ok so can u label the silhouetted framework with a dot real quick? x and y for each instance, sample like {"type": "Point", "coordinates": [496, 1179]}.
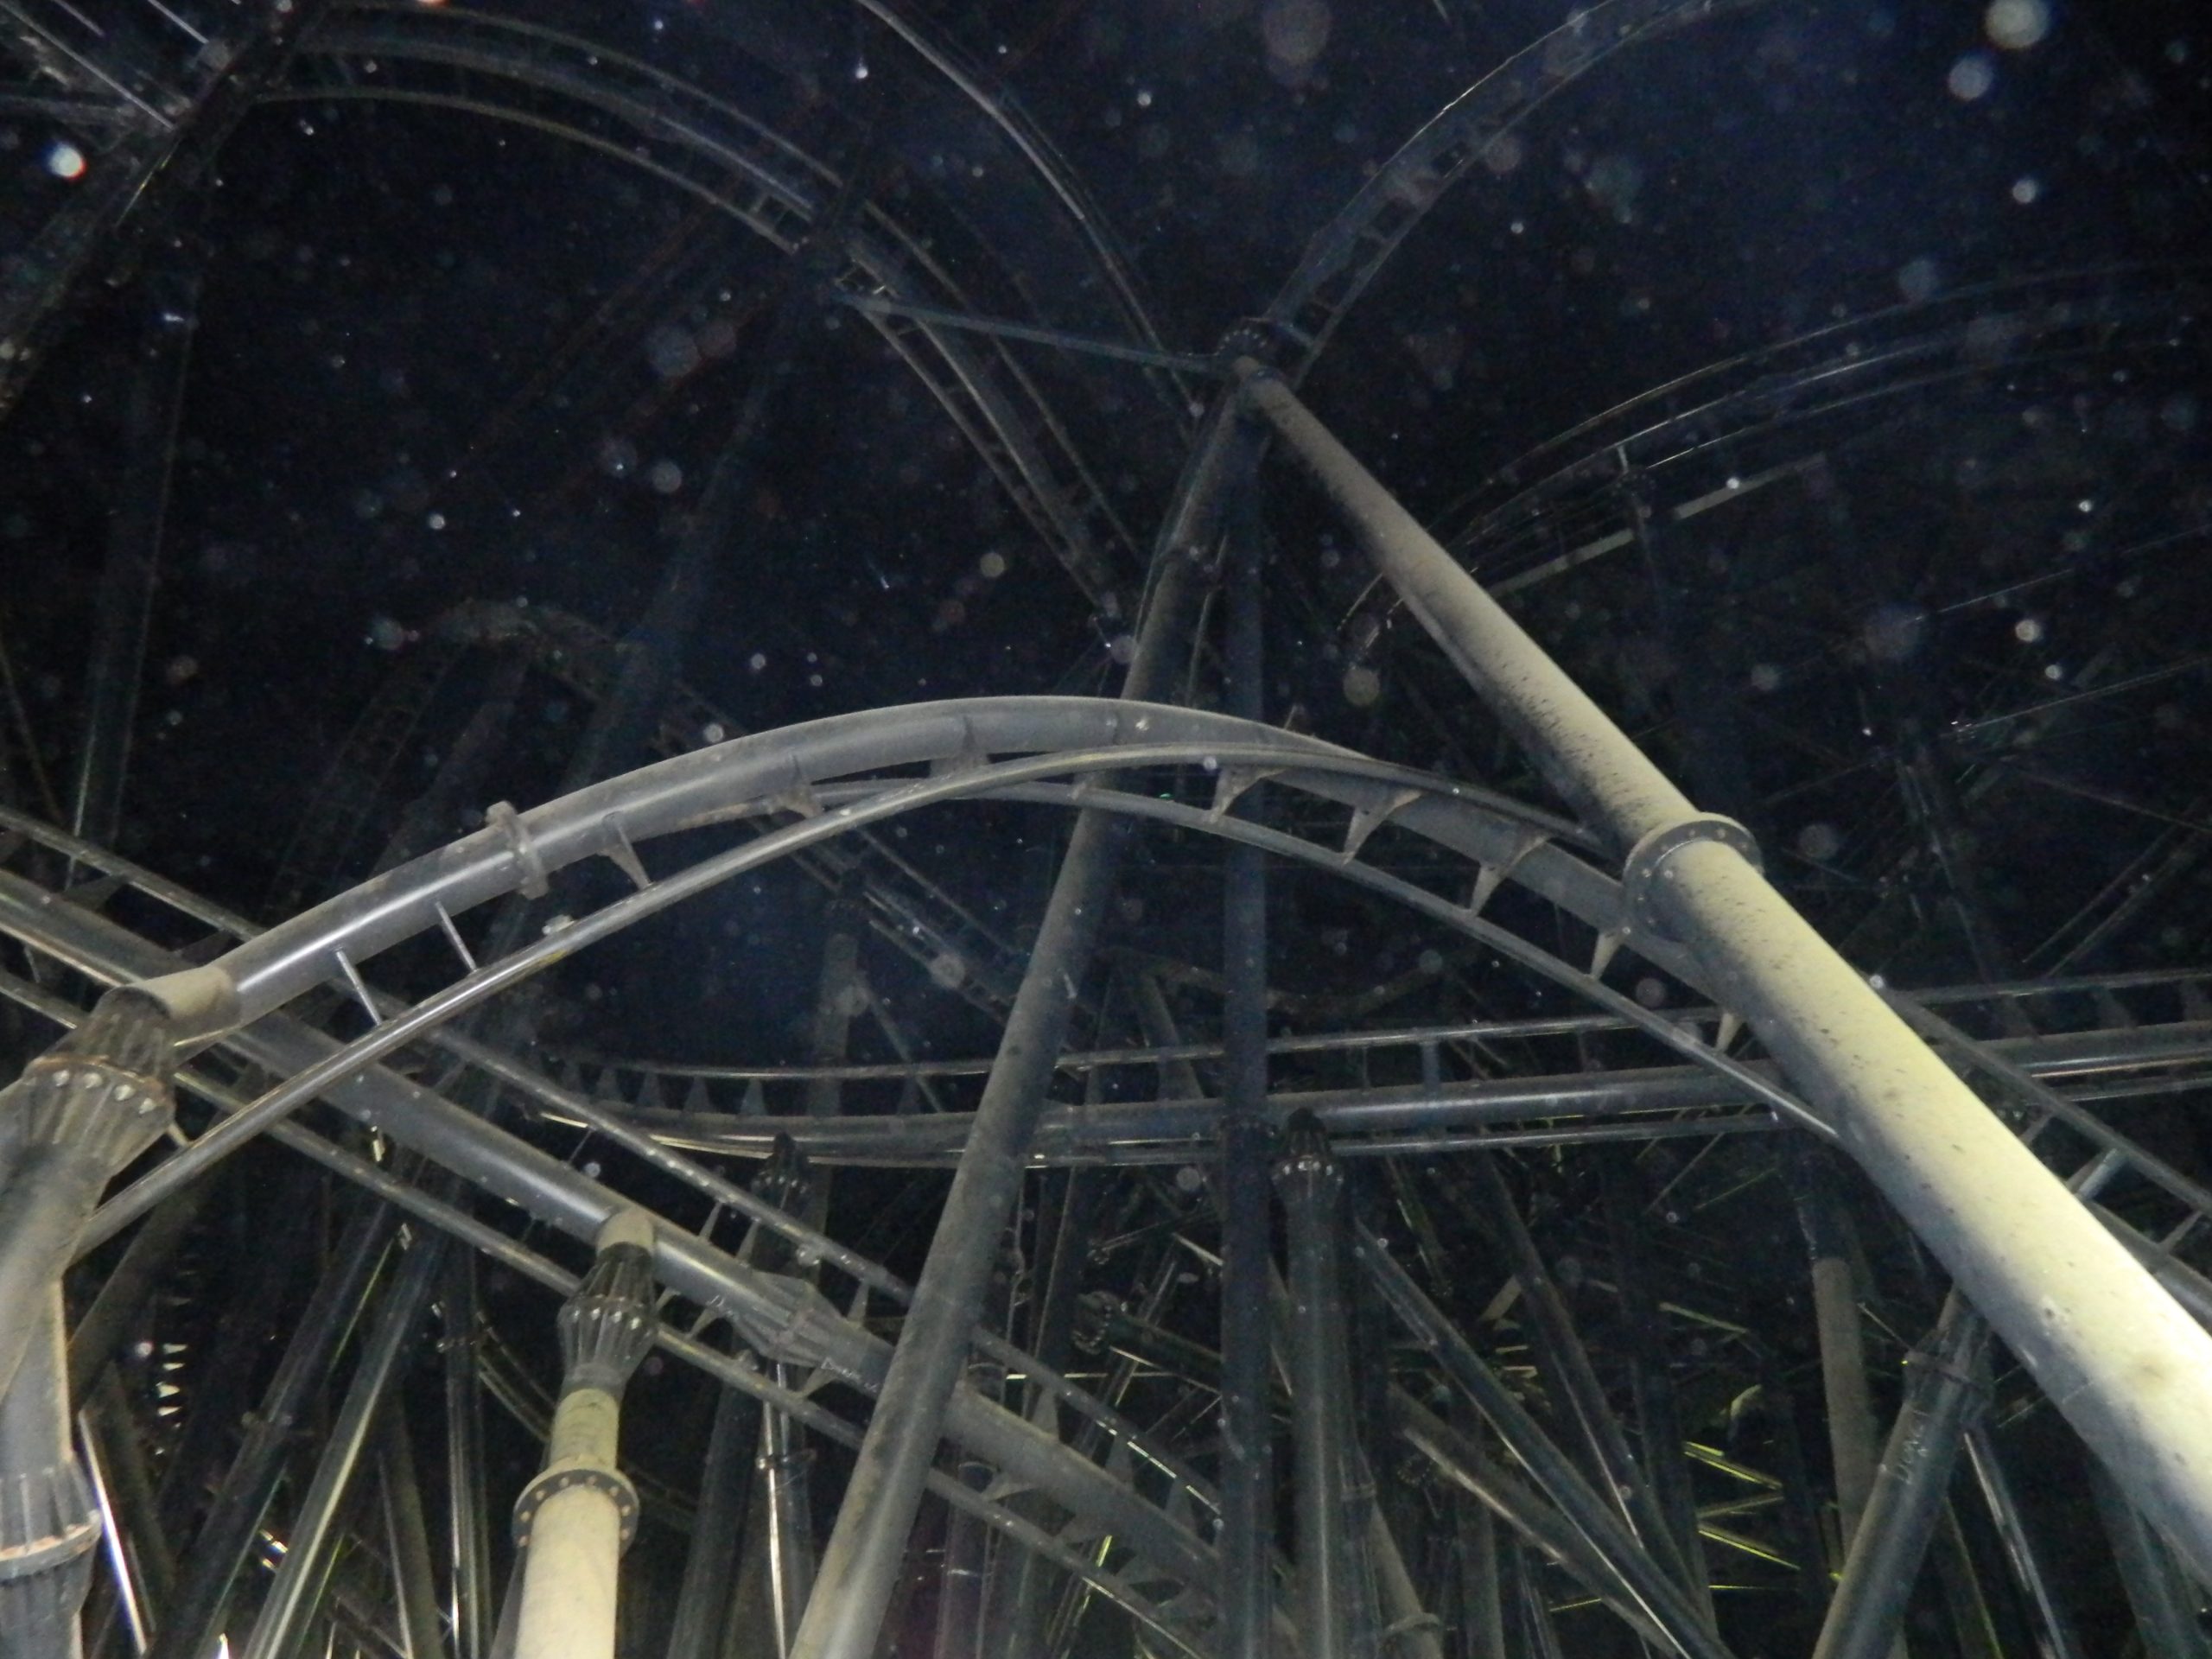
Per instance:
{"type": "Point", "coordinates": [354, 1302]}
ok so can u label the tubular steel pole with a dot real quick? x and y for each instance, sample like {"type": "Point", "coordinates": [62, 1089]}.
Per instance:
{"type": "Point", "coordinates": [710, 1565]}
{"type": "Point", "coordinates": [281, 1627]}
{"type": "Point", "coordinates": [465, 1498]}
{"type": "Point", "coordinates": [1311, 1187]}
{"type": "Point", "coordinates": [2126, 1365]}
{"type": "Point", "coordinates": [1944, 1390]}
{"type": "Point", "coordinates": [1247, 1266]}
{"type": "Point", "coordinates": [2165, 1608]}
{"type": "Point", "coordinates": [413, 1577]}
{"type": "Point", "coordinates": [1850, 1412]}
{"type": "Point", "coordinates": [1602, 1535]}
{"type": "Point", "coordinates": [860, 1566]}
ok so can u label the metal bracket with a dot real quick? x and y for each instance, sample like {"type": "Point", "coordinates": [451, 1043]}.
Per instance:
{"type": "Point", "coordinates": [1646, 863]}
{"type": "Point", "coordinates": [501, 815]}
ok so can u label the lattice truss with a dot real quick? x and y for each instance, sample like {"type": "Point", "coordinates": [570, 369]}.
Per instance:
{"type": "Point", "coordinates": [1326, 1161]}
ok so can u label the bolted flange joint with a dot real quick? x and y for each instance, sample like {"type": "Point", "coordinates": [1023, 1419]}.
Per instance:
{"type": "Point", "coordinates": [1645, 870]}
{"type": "Point", "coordinates": [561, 1478]}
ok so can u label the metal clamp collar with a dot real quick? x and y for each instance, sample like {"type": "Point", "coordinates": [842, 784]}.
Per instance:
{"type": "Point", "coordinates": [551, 1482]}
{"type": "Point", "coordinates": [1646, 863]}
{"type": "Point", "coordinates": [502, 817]}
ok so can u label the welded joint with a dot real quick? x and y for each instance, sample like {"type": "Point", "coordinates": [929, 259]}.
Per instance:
{"type": "Point", "coordinates": [1644, 871]}
{"type": "Point", "coordinates": [528, 859]}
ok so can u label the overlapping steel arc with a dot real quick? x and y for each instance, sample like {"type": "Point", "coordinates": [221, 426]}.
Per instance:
{"type": "Point", "coordinates": [770, 1310]}
{"type": "Point", "coordinates": [480, 64]}
{"type": "Point", "coordinates": [1037, 149]}
{"type": "Point", "coordinates": [1345, 258]}
{"type": "Point", "coordinates": [903, 906]}
{"type": "Point", "coordinates": [1840, 370]}
{"type": "Point", "coordinates": [780, 771]}
{"type": "Point", "coordinates": [515, 855]}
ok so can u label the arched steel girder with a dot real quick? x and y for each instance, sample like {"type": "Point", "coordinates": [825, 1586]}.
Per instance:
{"type": "Point", "coordinates": [1841, 369]}
{"type": "Point", "coordinates": [779, 771]}
{"type": "Point", "coordinates": [1160, 1554]}
{"type": "Point", "coordinates": [903, 906]}
{"type": "Point", "coordinates": [1350, 251]}
{"type": "Point", "coordinates": [785, 1320]}
{"type": "Point", "coordinates": [525, 1176]}
{"type": "Point", "coordinates": [1038, 151]}
{"type": "Point", "coordinates": [716, 154]}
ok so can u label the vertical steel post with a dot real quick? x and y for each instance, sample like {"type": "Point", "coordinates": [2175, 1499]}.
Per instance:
{"type": "Point", "coordinates": [702, 1601]}
{"type": "Point", "coordinates": [117, 659]}
{"type": "Point", "coordinates": [49, 1520]}
{"type": "Point", "coordinates": [573, 1521]}
{"type": "Point", "coordinates": [861, 1564]}
{"type": "Point", "coordinates": [2165, 1607]}
{"type": "Point", "coordinates": [233, 1520]}
{"type": "Point", "coordinates": [1481, 1600]}
{"type": "Point", "coordinates": [1849, 1404]}
{"type": "Point", "coordinates": [282, 1628]}
{"type": "Point", "coordinates": [1247, 1148]}
{"type": "Point", "coordinates": [408, 1538]}
{"type": "Point", "coordinates": [2126, 1365]}
{"type": "Point", "coordinates": [466, 1500]}
{"type": "Point", "coordinates": [1312, 1186]}
{"type": "Point", "coordinates": [1943, 1388]}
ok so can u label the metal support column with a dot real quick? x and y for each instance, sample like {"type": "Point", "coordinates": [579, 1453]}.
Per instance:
{"type": "Point", "coordinates": [1313, 1185]}
{"type": "Point", "coordinates": [573, 1522]}
{"type": "Point", "coordinates": [408, 1539]}
{"type": "Point", "coordinates": [1943, 1388]}
{"type": "Point", "coordinates": [861, 1564]}
{"type": "Point", "coordinates": [1247, 1148]}
{"type": "Point", "coordinates": [1849, 1404]}
{"type": "Point", "coordinates": [281, 1629]}
{"type": "Point", "coordinates": [116, 662]}
{"type": "Point", "coordinates": [2126, 1365]}
{"type": "Point", "coordinates": [191, 1624]}
{"type": "Point", "coordinates": [466, 1500]}
{"type": "Point", "coordinates": [702, 1601]}
{"type": "Point", "coordinates": [49, 1522]}
{"type": "Point", "coordinates": [79, 1113]}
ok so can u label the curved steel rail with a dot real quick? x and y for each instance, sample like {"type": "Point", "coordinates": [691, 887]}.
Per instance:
{"type": "Point", "coordinates": [903, 906]}
{"type": "Point", "coordinates": [1349, 253]}
{"type": "Point", "coordinates": [717, 154]}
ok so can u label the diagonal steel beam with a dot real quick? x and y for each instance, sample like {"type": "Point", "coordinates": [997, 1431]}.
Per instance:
{"type": "Point", "coordinates": [2124, 1363]}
